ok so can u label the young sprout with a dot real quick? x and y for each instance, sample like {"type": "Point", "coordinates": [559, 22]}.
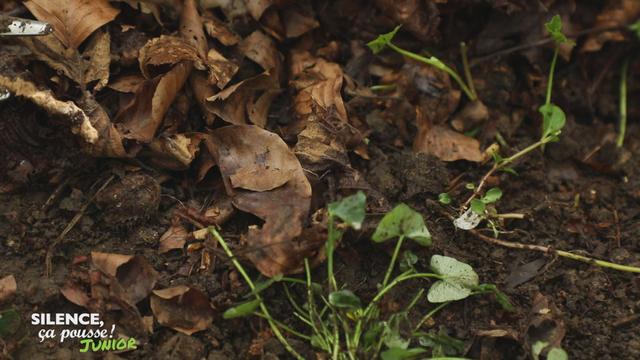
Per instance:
{"type": "Point", "coordinates": [553, 118]}
{"type": "Point", "coordinates": [479, 206]}
{"type": "Point", "coordinates": [623, 102]}
{"type": "Point", "coordinates": [384, 40]}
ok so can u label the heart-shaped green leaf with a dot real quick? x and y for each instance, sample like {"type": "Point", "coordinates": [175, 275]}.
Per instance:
{"type": "Point", "coordinates": [351, 209]}
{"type": "Point", "coordinates": [553, 120]}
{"type": "Point", "coordinates": [345, 299]}
{"type": "Point", "coordinates": [492, 195]}
{"type": "Point", "coordinates": [457, 283]}
{"type": "Point", "coordinates": [402, 221]}
{"type": "Point", "coordinates": [478, 206]}
{"type": "Point", "coordinates": [379, 43]}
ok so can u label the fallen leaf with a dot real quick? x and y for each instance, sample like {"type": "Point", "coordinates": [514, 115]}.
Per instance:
{"type": "Point", "coordinates": [218, 30]}
{"type": "Point", "coordinates": [258, 110]}
{"type": "Point", "coordinates": [109, 141]}
{"type": "Point", "coordinates": [470, 116]}
{"type": "Point", "coordinates": [257, 7]}
{"type": "Point", "coordinates": [616, 13]}
{"type": "Point", "coordinates": [298, 19]}
{"type": "Point", "coordinates": [444, 143]}
{"type": "Point", "coordinates": [132, 273]}
{"type": "Point", "coordinates": [51, 51]}
{"type": "Point", "coordinates": [126, 83]}
{"type": "Point", "coordinates": [73, 20]}
{"type": "Point", "coordinates": [260, 49]}
{"type": "Point", "coordinates": [320, 111]}
{"type": "Point", "coordinates": [167, 50]}
{"type": "Point", "coordinates": [75, 294]}
{"type": "Point", "coordinates": [546, 323]}
{"type": "Point", "coordinates": [142, 117]}
{"type": "Point", "coordinates": [221, 70]}
{"type": "Point", "coordinates": [250, 149]}
{"type": "Point", "coordinates": [174, 238]}
{"type": "Point", "coordinates": [182, 308]}
{"type": "Point", "coordinates": [99, 52]}
{"type": "Point", "coordinates": [174, 152]}
{"type": "Point", "coordinates": [8, 287]}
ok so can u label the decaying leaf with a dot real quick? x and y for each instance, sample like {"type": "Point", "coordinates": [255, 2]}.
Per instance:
{"type": "Point", "coordinates": [616, 13]}
{"type": "Point", "coordinates": [60, 58]}
{"type": "Point", "coordinates": [221, 70]}
{"type": "Point", "coordinates": [126, 83]}
{"type": "Point", "coordinates": [75, 294]}
{"type": "Point", "coordinates": [174, 152]}
{"type": "Point", "coordinates": [444, 143]}
{"type": "Point", "coordinates": [142, 117]}
{"type": "Point", "coordinates": [174, 238]}
{"type": "Point", "coordinates": [167, 50]}
{"type": "Point", "coordinates": [133, 274]}
{"type": "Point", "coordinates": [182, 308]}
{"type": "Point", "coordinates": [8, 287]}
{"type": "Point", "coordinates": [99, 52]}
{"type": "Point", "coordinates": [109, 141]}
{"type": "Point", "coordinates": [73, 20]}
{"type": "Point", "coordinates": [218, 30]}
{"type": "Point", "coordinates": [260, 49]}
{"type": "Point", "coordinates": [546, 323]}
{"type": "Point", "coordinates": [298, 19]}
{"type": "Point", "coordinates": [320, 110]}
{"type": "Point", "coordinates": [284, 209]}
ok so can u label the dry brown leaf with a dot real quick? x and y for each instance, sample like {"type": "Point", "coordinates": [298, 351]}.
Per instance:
{"type": "Point", "coordinates": [73, 20]}
{"type": "Point", "coordinates": [257, 7]}
{"type": "Point", "coordinates": [218, 30]}
{"type": "Point", "coordinates": [99, 52]}
{"type": "Point", "coordinates": [319, 83]}
{"type": "Point", "coordinates": [8, 287]}
{"type": "Point", "coordinates": [470, 116]}
{"type": "Point", "coordinates": [320, 111]}
{"type": "Point", "coordinates": [142, 117]}
{"type": "Point", "coordinates": [221, 70]}
{"type": "Point", "coordinates": [261, 49]}
{"type": "Point", "coordinates": [109, 141]}
{"type": "Point", "coordinates": [250, 149]}
{"type": "Point", "coordinates": [258, 110]}
{"type": "Point", "coordinates": [175, 152]}
{"type": "Point", "coordinates": [298, 20]}
{"type": "Point", "coordinates": [444, 143]}
{"type": "Point", "coordinates": [174, 238]}
{"type": "Point", "coordinates": [61, 59]}
{"type": "Point", "coordinates": [134, 275]}
{"type": "Point", "coordinates": [126, 83]}
{"type": "Point", "coordinates": [616, 13]}
{"type": "Point", "coordinates": [182, 308]}
{"type": "Point", "coordinates": [167, 50]}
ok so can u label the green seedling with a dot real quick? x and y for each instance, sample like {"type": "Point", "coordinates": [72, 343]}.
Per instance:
{"type": "Point", "coordinates": [344, 326]}
{"type": "Point", "coordinates": [622, 127]}
{"type": "Point", "coordinates": [554, 353]}
{"type": "Point", "coordinates": [635, 27]}
{"type": "Point", "coordinates": [444, 198]}
{"type": "Point", "coordinates": [492, 195]}
{"type": "Point", "coordinates": [553, 121]}
{"type": "Point", "coordinates": [385, 40]}
{"type": "Point", "coordinates": [553, 118]}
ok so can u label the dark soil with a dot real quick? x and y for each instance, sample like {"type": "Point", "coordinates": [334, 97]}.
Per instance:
{"type": "Point", "coordinates": [580, 195]}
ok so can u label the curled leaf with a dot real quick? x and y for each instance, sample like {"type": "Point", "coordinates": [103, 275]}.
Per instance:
{"type": "Point", "coordinates": [182, 308]}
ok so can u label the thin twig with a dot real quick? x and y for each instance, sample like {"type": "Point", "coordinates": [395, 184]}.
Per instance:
{"type": "Point", "coordinates": [70, 225]}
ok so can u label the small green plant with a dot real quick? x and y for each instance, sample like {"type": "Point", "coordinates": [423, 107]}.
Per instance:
{"type": "Point", "coordinates": [554, 353]}
{"type": "Point", "coordinates": [635, 27]}
{"type": "Point", "coordinates": [622, 127]}
{"type": "Point", "coordinates": [553, 121]}
{"type": "Point", "coordinates": [344, 326]}
{"type": "Point", "coordinates": [384, 40]}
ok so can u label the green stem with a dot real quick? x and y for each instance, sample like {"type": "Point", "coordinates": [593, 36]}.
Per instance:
{"type": "Point", "coordinates": [467, 69]}
{"type": "Point", "coordinates": [285, 327]}
{"type": "Point", "coordinates": [407, 275]}
{"type": "Point", "coordinates": [439, 65]}
{"type": "Point", "coordinates": [623, 103]}
{"type": "Point", "coordinates": [392, 263]}
{"type": "Point", "coordinates": [551, 72]}
{"type": "Point", "coordinates": [263, 307]}
{"type": "Point", "coordinates": [429, 315]}
{"type": "Point", "coordinates": [600, 263]}
{"type": "Point", "coordinates": [332, 237]}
